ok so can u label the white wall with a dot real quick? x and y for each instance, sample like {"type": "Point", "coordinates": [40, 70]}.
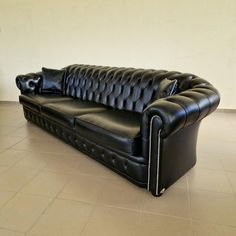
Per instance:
{"type": "Point", "coordinates": [197, 36]}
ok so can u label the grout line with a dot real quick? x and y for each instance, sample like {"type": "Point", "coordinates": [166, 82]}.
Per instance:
{"type": "Point", "coordinates": [11, 230]}
{"type": "Point", "coordinates": [18, 191]}
{"type": "Point", "coordinates": [12, 146]}
{"type": "Point", "coordinates": [50, 203]}
{"type": "Point", "coordinates": [189, 203]}
{"type": "Point", "coordinates": [43, 212]}
{"type": "Point", "coordinates": [225, 110]}
{"type": "Point", "coordinates": [207, 221]}
{"type": "Point", "coordinates": [227, 176]}
{"type": "Point", "coordinates": [89, 217]}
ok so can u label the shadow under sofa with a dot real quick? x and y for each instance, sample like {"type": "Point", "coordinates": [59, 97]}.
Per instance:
{"type": "Point", "coordinates": [141, 123]}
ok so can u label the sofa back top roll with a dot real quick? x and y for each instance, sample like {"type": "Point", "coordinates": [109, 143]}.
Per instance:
{"type": "Point", "coordinates": [121, 88]}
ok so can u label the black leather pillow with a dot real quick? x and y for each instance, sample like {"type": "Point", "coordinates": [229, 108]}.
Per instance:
{"type": "Point", "coordinates": [52, 80]}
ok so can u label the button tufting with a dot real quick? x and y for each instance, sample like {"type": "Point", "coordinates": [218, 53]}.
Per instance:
{"type": "Point", "coordinates": [97, 83]}
{"type": "Point", "coordinates": [126, 165]}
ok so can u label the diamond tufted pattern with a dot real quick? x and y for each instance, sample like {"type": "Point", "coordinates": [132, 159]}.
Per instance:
{"type": "Point", "coordinates": [122, 88]}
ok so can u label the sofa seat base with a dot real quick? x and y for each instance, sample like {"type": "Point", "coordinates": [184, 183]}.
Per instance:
{"type": "Point", "coordinates": [35, 101]}
{"type": "Point", "coordinates": [64, 112]}
{"type": "Point", "coordinates": [125, 165]}
{"type": "Point", "coordinates": [118, 130]}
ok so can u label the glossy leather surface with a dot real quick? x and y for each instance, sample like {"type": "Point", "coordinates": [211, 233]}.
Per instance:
{"type": "Point", "coordinates": [121, 88]}
{"type": "Point", "coordinates": [168, 106]}
{"type": "Point", "coordinates": [184, 108]}
{"type": "Point", "coordinates": [35, 101]}
{"type": "Point", "coordinates": [65, 111]}
{"type": "Point", "coordinates": [118, 130]}
{"type": "Point", "coordinates": [29, 83]}
{"type": "Point", "coordinates": [52, 80]}
{"type": "Point", "coordinates": [131, 167]}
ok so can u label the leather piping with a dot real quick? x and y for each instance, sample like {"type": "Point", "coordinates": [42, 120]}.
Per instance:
{"type": "Point", "coordinates": [158, 160]}
{"type": "Point", "coordinates": [149, 155]}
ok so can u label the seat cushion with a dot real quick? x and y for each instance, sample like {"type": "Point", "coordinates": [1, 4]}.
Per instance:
{"type": "Point", "coordinates": [119, 130]}
{"type": "Point", "coordinates": [64, 112]}
{"type": "Point", "coordinates": [35, 101]}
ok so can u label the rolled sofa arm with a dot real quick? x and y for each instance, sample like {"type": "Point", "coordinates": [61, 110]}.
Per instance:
{"type": "Point", "coordinates": [29, 83]}
{"type": "Point", "coordinates": [183, 109]}
{"type": "Point", "coordinates": [169, 131]}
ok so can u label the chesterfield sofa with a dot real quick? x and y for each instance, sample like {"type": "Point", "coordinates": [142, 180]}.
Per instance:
{"type": "Point", "coordinates": [141, 123]}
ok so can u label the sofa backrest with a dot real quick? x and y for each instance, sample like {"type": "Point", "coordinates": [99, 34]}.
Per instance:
{"type": "Point", "coordinates": [121, 88]}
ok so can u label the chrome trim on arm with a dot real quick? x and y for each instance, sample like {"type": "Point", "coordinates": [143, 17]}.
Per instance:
{"type": "Point", "coordinates": [149, 155]}
{"type": "Point", "coordinates": [158, 160]}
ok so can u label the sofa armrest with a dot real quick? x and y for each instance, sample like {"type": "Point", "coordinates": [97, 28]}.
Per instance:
{"type": "Point", "coordinates": [29, 83]}
{"type": "Point", "coordinates": [169, 131]}
{"type": "Point", "coordinates": [182, 109]}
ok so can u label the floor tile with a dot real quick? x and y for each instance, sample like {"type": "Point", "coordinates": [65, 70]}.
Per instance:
{"type": "Point", "coordinates": [181, 183]}
{"type": "Point", "coordinates": [37, 164]}
{"type": "Point", "coordinates": [61, 163]}
{"type": "Point", "coordinates": [39, 145]}
{"type": "Point", "coordinates": [208, 229]}
{"type": "Point", "coordinates": [91, 167]}
{"type": "Point", "coordinates": [4, 232]}
{"type": "Point", "coordinates": [163, 225]}
{"type": "Point", "coordinates": [46, 184]}
{"type": "Point", "coordinates": [209, 162]}
{"type": "Point", "coordinates": [131, 197]}
{"type": "Point", "coordinates": [55, 162]}
{"type": "Point", "coordinates": [174, 202]}
{"type": "Point", "coordinates": [209, 180]}
{"type": "Point", "coordinates": [5, 196]}
{"type": "Point", "coordinates": [32, 160]}
{"type": "Point", "coordinates": [15, 178]}
{"type": "Point", "coordinates": [21, 212]}
{"type": "Point", "coordinates": [218, 208]}
{"type": "Point", "coordinates": [6, 141]}
{"type": "Point", "coordinates": [6, 129]}
{"type": "Point", "coordinates": [83, 188]}
{"type": "Point", "coordinates": [10, 157]}
{"type": "Point", "coordinates": [232, 179]}
{"type": "Point", "coordinates": [3, 169]}
{"type": "Point", "coordinates": [229, 162]}
{"type": "Point", "coordinates": [106, 221]}
{"type": "Point", "coordinates": [64, 218]}
{"type": "Point", "coordinates": [31, 131]}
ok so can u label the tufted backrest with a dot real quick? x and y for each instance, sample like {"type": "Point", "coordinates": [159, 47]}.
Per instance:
{"type": "Point", "coordinates": [121, 88]}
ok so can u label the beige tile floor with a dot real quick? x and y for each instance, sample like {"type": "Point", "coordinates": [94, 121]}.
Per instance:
{"type": "Point", "coordinates": [47, 188]}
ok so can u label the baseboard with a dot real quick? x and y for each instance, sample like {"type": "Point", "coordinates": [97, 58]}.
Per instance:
{"type": "Point", "coordinates": [9, 103]}
{"type": "Point", "coordinates": [223, 110]}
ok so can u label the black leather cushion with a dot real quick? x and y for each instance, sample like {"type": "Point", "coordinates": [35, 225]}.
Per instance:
{"type": "Point", "coordinates": [52, 80]}
{"type": "Point", "coordinates": [119, 130]}
{"type": "Point", "coordinates": [121, 88]}
{"type": "Point", "coordinates": [65, 111]}
{"type": "Point", "coordinates": [35, 101]}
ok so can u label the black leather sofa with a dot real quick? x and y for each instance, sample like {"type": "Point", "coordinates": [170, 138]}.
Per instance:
{"type": "Point", "coordinates": [143, 124]}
